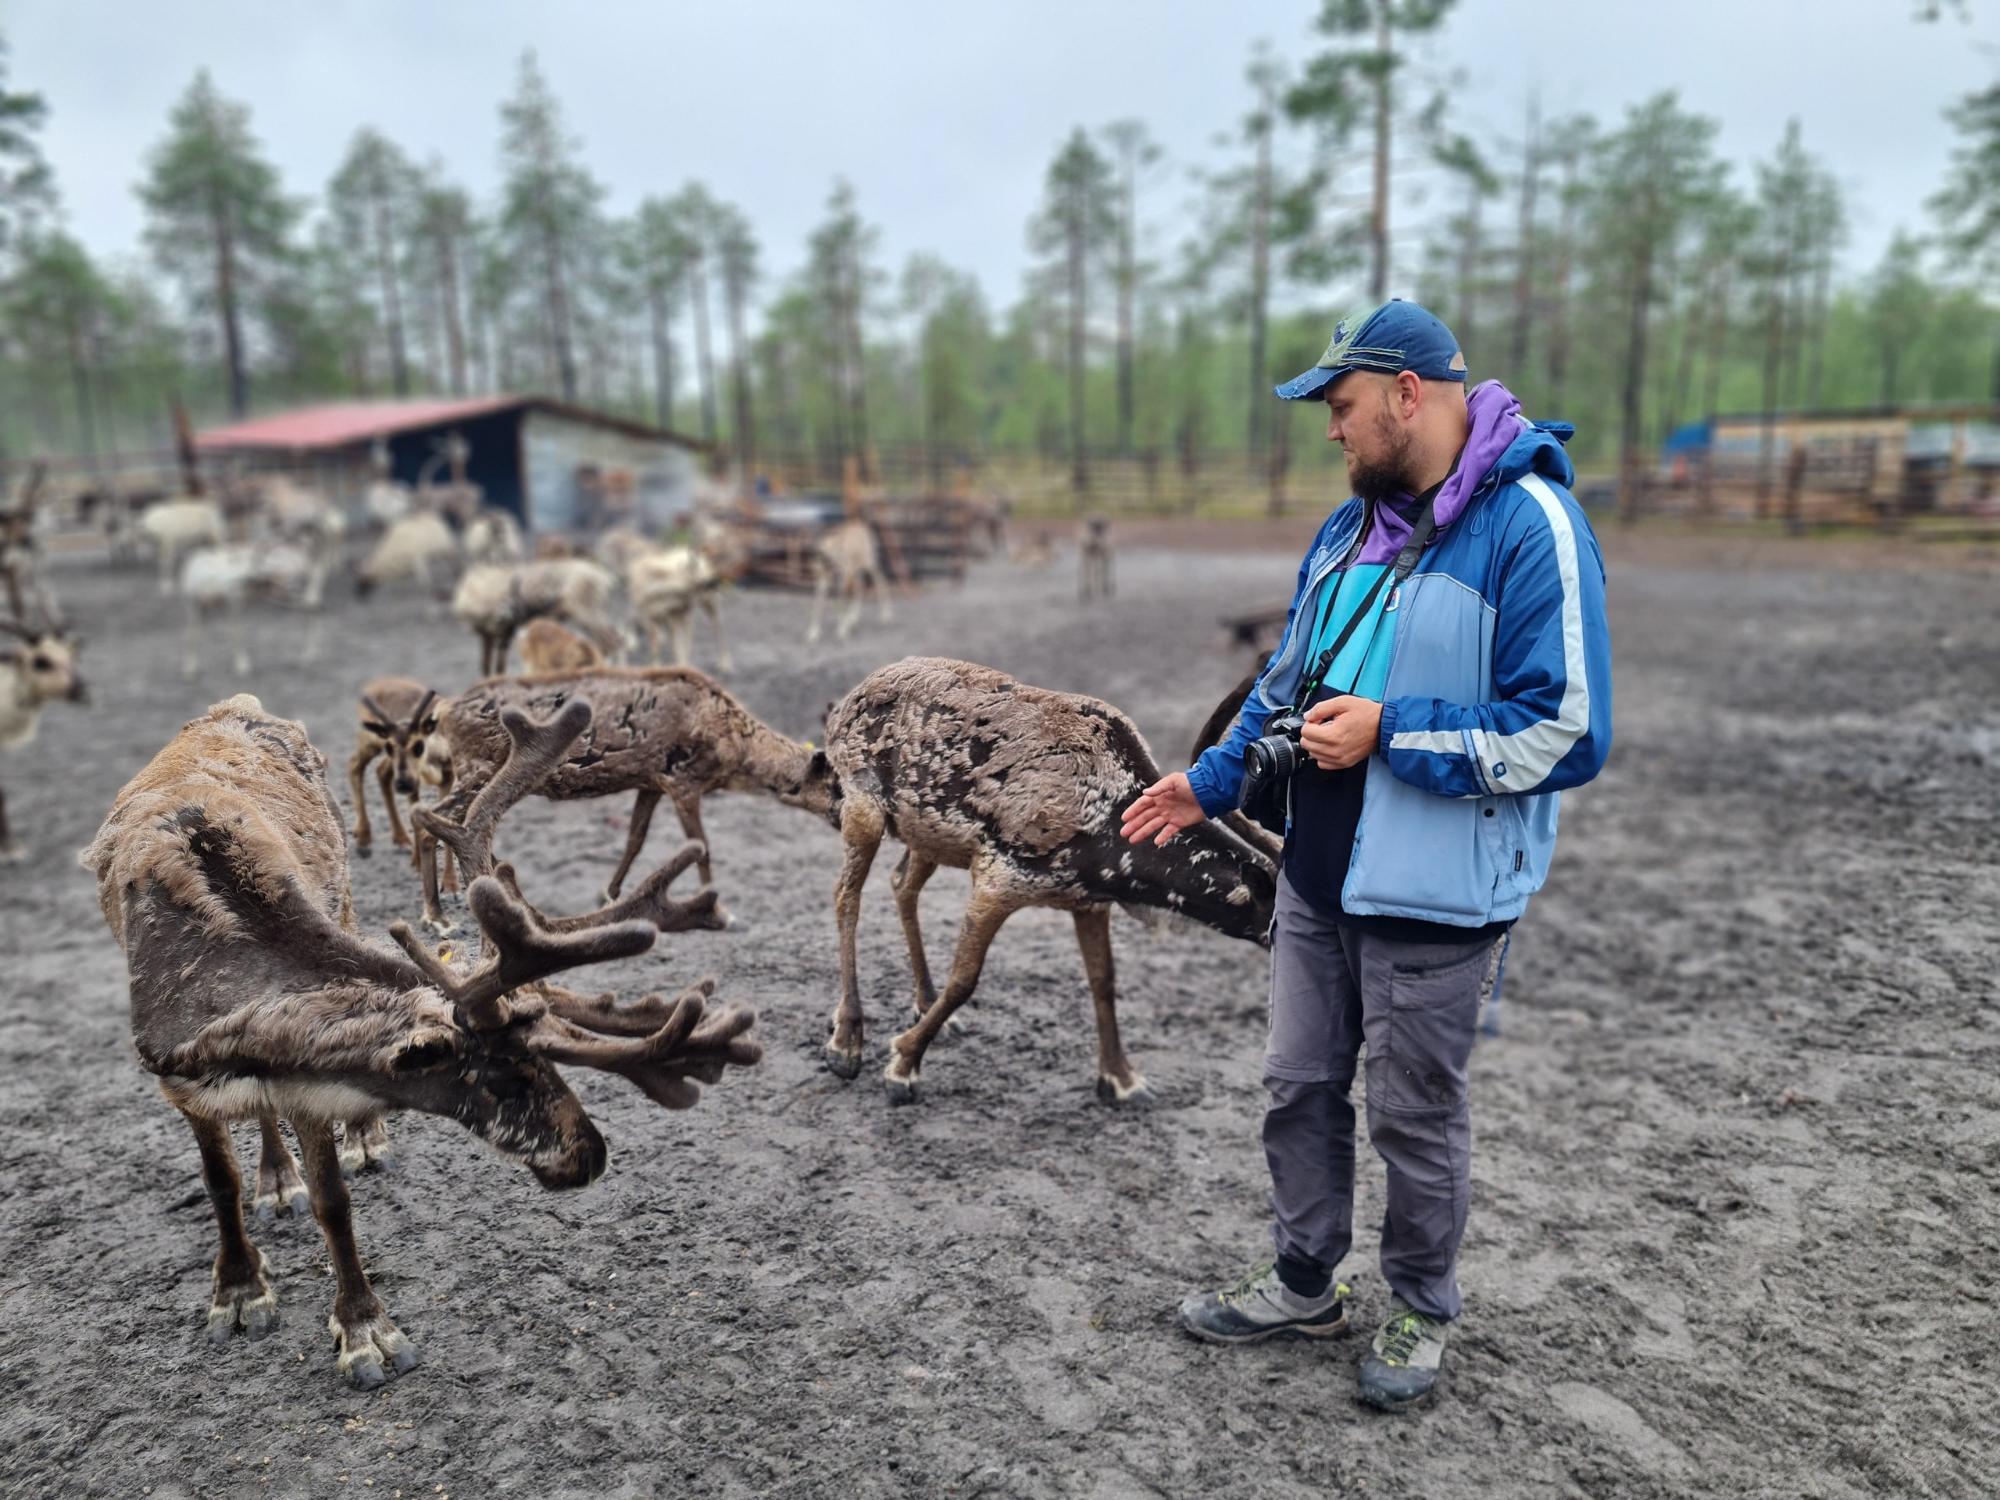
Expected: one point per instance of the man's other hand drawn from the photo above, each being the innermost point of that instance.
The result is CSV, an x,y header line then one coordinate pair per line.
x,y
1341,732
1163,810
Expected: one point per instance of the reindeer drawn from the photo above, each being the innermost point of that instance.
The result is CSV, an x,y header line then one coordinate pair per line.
x,y
398,723
658,732
414,546
846,559
20,548
226,578
497,601
1093,560
493,536
222,874
548,646
667,585
176,527
1023,787
40,670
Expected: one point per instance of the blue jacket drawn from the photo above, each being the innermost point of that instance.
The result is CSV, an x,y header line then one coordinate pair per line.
x,y
1498,697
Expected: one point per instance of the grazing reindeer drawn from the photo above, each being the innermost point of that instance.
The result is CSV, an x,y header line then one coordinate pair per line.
x,y
847,559
497,600
223,876
1093,560
667,586
399,723
41,669
658,731
547,646
1023,787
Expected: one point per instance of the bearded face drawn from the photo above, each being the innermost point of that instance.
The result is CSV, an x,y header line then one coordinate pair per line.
x,y
1380,451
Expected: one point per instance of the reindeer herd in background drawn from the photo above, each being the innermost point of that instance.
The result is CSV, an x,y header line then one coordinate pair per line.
x,y
222,867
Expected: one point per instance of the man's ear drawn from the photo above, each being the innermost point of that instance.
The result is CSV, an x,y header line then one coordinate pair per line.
x,y
1409,394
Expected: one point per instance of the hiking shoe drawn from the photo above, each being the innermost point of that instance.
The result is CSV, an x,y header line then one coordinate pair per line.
x,y
1260,1306
1408,1352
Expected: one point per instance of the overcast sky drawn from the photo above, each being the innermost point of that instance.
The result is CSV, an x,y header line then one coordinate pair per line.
x,y
945,116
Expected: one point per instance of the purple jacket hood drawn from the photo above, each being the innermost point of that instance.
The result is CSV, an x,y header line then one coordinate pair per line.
x,y
1495,414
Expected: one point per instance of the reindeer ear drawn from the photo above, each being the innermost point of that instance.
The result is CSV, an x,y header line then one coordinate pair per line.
x,y
432,1047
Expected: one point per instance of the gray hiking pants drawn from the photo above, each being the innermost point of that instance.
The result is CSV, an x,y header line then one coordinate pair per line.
x,y
1416,1006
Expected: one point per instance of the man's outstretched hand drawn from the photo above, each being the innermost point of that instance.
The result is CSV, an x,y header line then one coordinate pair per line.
x,y
1163,810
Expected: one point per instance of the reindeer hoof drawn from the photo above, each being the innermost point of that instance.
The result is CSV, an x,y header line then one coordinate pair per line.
x,y
1137,1092
899,1090
439,926
364,851
250,1308
841,1064
371,1351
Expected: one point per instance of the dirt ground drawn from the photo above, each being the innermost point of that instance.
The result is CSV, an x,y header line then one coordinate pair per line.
x,y
1735,1228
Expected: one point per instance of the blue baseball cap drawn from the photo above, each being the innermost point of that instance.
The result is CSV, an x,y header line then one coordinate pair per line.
x,y
1388,339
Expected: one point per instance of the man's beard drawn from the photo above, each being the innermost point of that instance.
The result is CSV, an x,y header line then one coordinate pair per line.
x,y
1388,478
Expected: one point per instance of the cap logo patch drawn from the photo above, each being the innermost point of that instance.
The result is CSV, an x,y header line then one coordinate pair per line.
x,y
1458,361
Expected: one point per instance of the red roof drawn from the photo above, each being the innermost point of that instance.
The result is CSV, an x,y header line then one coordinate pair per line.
x,y
348,423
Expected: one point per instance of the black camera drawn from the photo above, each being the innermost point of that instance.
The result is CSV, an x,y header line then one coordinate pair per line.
x,y
1278,755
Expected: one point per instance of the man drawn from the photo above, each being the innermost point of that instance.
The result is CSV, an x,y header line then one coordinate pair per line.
x,y
1447,643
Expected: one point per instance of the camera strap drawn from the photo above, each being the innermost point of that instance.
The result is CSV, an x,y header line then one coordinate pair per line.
x,y
1421,532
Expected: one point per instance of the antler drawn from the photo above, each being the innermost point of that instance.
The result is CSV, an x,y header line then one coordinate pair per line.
x,y
650,902
535,751
417,718
376,709
666,1064
521,950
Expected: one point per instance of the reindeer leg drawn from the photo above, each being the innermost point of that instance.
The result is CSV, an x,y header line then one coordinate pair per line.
x,y
714,613
820,586
680,631
364,836
687,806
912,871
635,839
9,850
278,1182
237,632
191,641
1118,1082
983,915
385,777
243,1300
370,1344
851,616
881,595
862,824
364,1143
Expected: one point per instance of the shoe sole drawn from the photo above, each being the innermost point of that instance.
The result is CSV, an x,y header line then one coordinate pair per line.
x,y
1392,1404
1281,1331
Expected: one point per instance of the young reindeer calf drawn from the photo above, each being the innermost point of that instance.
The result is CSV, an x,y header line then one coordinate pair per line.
x,y
1023,787
223,875
398,723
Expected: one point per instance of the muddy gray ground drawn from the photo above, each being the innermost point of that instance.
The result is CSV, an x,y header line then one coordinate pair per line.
x,y
1734,1228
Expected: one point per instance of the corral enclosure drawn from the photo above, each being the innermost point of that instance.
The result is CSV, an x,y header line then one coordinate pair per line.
x,y
1734,1227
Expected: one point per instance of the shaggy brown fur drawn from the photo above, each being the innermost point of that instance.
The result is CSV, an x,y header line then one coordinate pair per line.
x,y
547,646
1023,787
656,731
222,872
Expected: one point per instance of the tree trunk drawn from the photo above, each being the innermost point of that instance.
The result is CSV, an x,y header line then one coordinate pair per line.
x,y
1815,369
663,357
704,365
1378,219
1468,272
1559,313
1258,415
558,312
1524,256
1128,276
392,295
454,327
1635,383
1774,344
746,438
225,300
1079,458
858,358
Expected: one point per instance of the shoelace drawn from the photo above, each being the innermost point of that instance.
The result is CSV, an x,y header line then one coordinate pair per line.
x,y
1400,1338
1242,1288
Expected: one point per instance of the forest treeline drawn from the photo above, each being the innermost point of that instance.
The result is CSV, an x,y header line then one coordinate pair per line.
x,y
1619,273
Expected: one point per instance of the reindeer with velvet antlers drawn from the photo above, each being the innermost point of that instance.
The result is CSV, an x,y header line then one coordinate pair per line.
x,y
222,872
